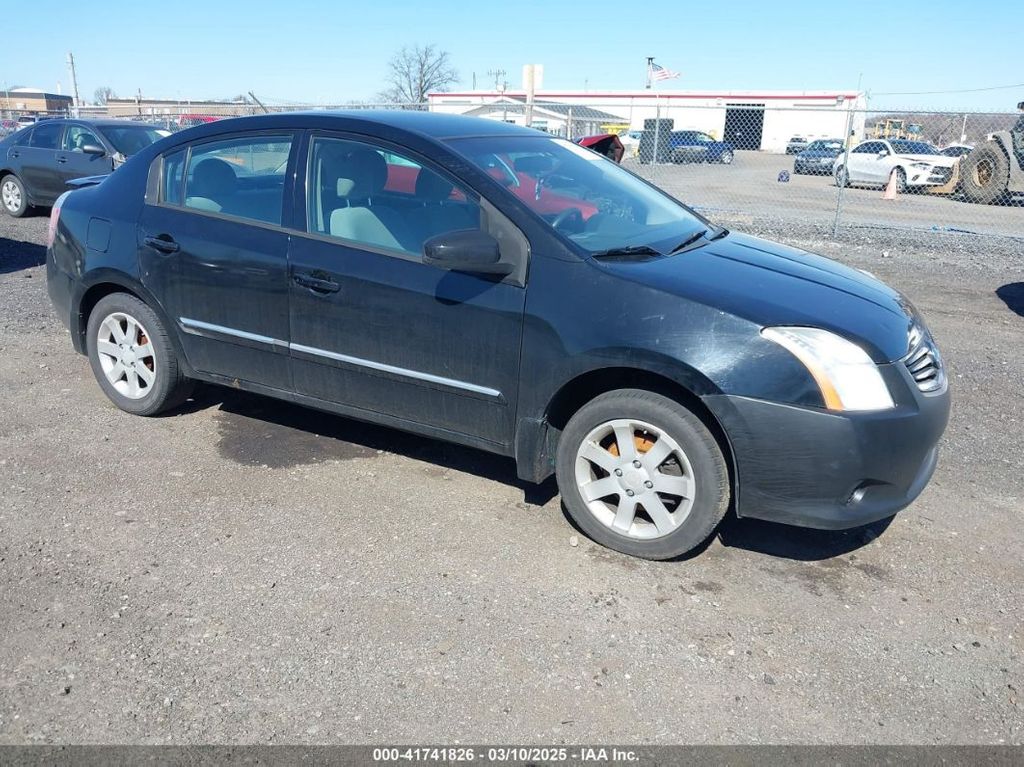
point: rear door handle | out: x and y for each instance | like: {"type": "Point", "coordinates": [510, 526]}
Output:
{"type": "Point", "coordinates": [164, 244]}
{"type": "Point", "coordinates": [316, 284]}
{"type": "Point", "coordinates": [62, 160]}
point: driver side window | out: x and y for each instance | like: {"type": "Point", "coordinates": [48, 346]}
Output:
{"type": "Point", "coordinates": [372, 196]}
{"type": "Point", "coordinates": [76, 137]}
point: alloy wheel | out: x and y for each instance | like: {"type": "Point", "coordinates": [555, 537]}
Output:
{"type": "Point", "coordinates": [635, 478]}
{"type": "Point", "coordinates": [11, 195]}
{"type": "Point", "coordinates": [126, 355]}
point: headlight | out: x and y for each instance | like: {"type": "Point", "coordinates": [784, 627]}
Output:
{"type": "Point", "coordinates": [921, 165]}
{"type": "Point", "coordinates": [845, 374]}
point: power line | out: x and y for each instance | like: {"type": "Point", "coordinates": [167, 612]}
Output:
{"type": "Point", "coordinates": [964, 90]}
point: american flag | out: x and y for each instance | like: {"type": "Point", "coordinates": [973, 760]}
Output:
{"type": "Point", "coordinates": [659, 72]}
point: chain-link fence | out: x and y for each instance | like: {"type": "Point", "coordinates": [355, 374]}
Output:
{"type": "Point", "coordinates": [834, 166]}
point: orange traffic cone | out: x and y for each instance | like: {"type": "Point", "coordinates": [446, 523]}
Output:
{"type": "Point", "coordinates": [890, 188]}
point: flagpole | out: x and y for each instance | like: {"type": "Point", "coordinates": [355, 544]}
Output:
{"type": "Point", "coordinates": [650, 61]}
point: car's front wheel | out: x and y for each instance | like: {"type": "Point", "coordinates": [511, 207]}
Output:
{"type": "Point", "coordinates": [842, 177]}
{"type": "Point", "coordinates": [641, 474]}
{"type": "Point", "coordinates": [13, 197]}
{"type": "Point", "coordinates": [726, 157]}
{"type": "Point", "coordinates": [132, 357]}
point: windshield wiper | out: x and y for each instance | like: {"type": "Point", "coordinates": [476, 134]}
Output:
{"type": "Point", "coordinates": [693, 238]}
{"type": "Point", "coordinates": [626, 251]}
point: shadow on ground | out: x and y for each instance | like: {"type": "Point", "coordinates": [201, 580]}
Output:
{"type": "Point", "coordinates": [798, 543]}
{"type": "Point", "coordinates": [1012, 295]}
{"type": "Point", "coordinates": [16, 255]}
{"type": "Point", "coordinates": [261, 431]}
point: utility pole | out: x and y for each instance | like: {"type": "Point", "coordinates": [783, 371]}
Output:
{"type": "Point", "coordinates": [499, 79]}
{"type": "Point", "coordinates": [138, 101]}
{"type": "Point", "coordinates": [74, 82]}
{"type": "Point", "coordinates": [259, 103]}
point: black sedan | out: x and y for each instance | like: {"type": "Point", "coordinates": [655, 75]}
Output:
{"type": "Point", "coordinates": [498, 287]}
{"type": "Point", "coordinates": [817, 159]}
{"type": "Point", "coordinates": [37, 162]}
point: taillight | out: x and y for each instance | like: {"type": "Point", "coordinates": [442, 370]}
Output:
{"type": "Point", "coordinates": [51, 230]}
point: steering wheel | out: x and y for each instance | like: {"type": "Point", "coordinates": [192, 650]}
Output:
{"type": "Point", "coordinates": [567, 216]}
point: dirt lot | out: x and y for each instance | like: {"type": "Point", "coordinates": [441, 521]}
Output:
{"type": "Point", "coordinates": [749, 191]}
{"type": "Point", "coordinates": [248, 571]}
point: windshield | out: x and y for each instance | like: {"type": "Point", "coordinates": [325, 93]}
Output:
{"type": "Point", "coordinates": [583, 196]}
{"type": "Point", "coordinates": [130, 139]}
{"type": "Point", "coordinates": [913, 147]}
{"type": "Point", "coordinates": [831, 146]}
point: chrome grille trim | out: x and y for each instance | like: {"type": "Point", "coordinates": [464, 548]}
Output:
{"type": "Point", "coordinates": [923, 361]}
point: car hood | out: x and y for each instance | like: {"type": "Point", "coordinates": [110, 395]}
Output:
{"type": "Point", "coordinates": [773, 284]}
{"type": "Point", "coordinates": [811, 154]}
{"type": "Point", "coordinates": [932, 159]}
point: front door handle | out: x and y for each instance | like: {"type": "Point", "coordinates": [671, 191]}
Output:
{"type": "Point", "coordinates": [163, 243]}
{"type": "Point", "coordinates": [62, 160]}
{"type": "Point", "coordinates": [316, 284]}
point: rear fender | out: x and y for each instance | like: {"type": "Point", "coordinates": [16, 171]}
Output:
{"type": "Point", "coordinates": [102, 281]}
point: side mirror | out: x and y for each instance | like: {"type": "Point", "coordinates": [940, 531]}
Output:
{"type": "Point", "coordinates": [94, 149]}
{"type": "Point", "coordinates": [466, 250]}
{"type": "Point", "coordinates": [883, 153]}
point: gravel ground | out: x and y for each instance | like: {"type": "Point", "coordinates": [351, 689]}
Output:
{"type": "Point", "coordinates": [247, 571]}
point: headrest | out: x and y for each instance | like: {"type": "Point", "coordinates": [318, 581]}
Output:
{"type": "Point", "coordinates": [212, 178]}
{"type": "Point", "coordinates": [432, 186]}
{"type": "Point", "coordinates": [359, 172]}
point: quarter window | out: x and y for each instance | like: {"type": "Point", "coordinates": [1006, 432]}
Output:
{"type": "Point", "coordinates": [171, 190]}
{"type": "Point", "coordinates": [241, 177]}
{"type": "Point", "coordinates": [375, 197]}
{"type": "Point", "coordinates": [46, 136]}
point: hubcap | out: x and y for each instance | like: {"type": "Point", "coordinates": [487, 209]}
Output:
{"type": "Point", "coordinates": [11, 195]}
{"type": "Point", "coordinates": [635, 479]}
{"type": "Point", "coordinates": [126, 355]}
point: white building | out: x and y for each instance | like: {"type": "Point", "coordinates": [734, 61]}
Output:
{"type": "Point", "coordinates": [761, 120]}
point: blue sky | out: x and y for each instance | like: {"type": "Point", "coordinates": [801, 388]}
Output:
{"type": "Point", "coordinates": [332, 52]}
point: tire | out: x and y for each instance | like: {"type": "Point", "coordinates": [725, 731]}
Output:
{"type": "Point", "coordinates": [726, 157]}
{"type": "Point", "coordinates": [842, 177]}
{"type": "Point", "coordinates": [901, 181]}
{"type": "Point", "coordinates": [119, 324]}
{"type": "Point", "coordinates": [692, 482]}
{"type": "Point", "coordinates": [985, 174]}
{"type": "Point", "coordinates": [13, 197]}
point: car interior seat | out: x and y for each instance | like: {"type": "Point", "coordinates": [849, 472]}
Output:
{"type": "Point", "coordinates": [361, 176]}
{"type": "Point", "coordinates": [439, 212]}
{"type": "Point", "coordinates": [212, 185]}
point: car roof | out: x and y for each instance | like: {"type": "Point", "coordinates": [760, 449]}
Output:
{"type": "Point", "coordinates": [433, 125]}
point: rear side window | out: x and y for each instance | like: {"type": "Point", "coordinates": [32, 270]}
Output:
{"type": "Point", "coordinates": [46, 136]}
{"type": "Point", "coordinates": [241, 177]}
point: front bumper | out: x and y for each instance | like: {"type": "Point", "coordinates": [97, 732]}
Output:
{"type": "Point", "coordinates": [813, 468]}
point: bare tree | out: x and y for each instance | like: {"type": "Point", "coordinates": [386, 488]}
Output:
{"type": "Point", "coordinates": [103, 93]}
{"type": "Point", "coordinates": [415, 72]}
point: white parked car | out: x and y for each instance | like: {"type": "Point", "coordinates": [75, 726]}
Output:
{"type": "Point", "coordinates": [916, 164]}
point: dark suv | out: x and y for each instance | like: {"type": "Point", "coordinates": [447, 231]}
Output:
{"type": "Point", "coordinates": [501, 288]}
{"type": "Point", "coordinates": [37, 162]}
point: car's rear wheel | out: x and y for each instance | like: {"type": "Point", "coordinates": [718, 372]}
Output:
{"type": "Point", "coordinates": [726, 157]}
{"type": "Point", "coordinates": [13, 197]}
{"type": "Point", "coordinates": [132, 357]}
{"type": "Point", "coordinates": [641, 474]}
